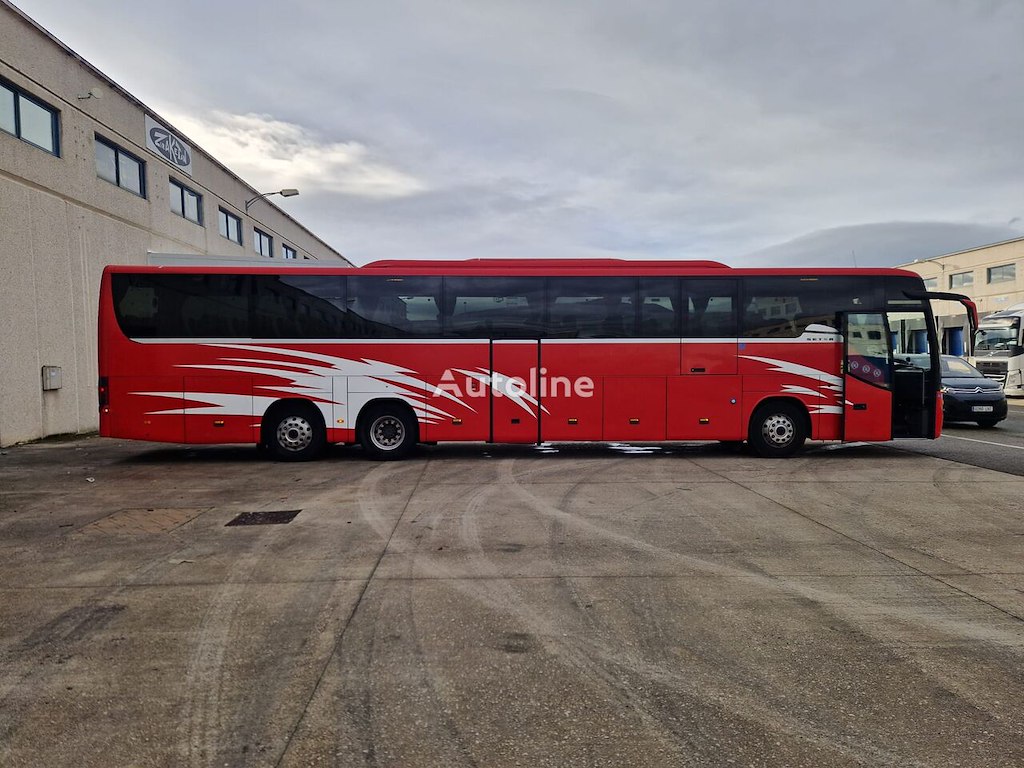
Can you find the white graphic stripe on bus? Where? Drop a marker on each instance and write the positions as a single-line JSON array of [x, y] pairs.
[[298, 366], [782, 366], [507, 386], [795, 389], [830, 385], [214, 403]]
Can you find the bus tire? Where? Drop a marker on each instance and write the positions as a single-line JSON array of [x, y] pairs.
[[294, 431], [778, 429], [388, 432]]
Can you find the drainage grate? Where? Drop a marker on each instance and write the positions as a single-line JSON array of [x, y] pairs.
[[280, 517]]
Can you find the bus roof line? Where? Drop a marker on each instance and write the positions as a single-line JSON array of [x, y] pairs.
[[582, 264]]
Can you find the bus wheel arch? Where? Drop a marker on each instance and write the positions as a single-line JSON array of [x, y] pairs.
[[778, 427], [387, 429], [293, 430]]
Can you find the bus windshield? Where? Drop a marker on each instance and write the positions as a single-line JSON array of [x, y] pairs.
[[998, 338]]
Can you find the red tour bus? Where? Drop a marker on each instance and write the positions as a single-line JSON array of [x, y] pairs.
[[514, 351]]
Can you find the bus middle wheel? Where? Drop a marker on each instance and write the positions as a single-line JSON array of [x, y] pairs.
[[387, 432], [296, 433]]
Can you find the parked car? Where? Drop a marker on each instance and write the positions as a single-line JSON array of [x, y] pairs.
[[966, 394]]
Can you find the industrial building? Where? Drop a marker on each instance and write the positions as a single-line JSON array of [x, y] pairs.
[[90, 176], [991, 275]]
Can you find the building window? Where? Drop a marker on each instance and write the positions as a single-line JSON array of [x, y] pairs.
[[961, 280], [931, 283], [185, 202], [120, 167], [263, 243], [1005, 273], [230, 226], [30, 120], [287, 252]]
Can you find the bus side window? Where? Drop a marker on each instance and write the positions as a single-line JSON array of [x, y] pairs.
[[395, 307], [591, 307], [493, 307], [710, 308], [659, 307], [136, 310]]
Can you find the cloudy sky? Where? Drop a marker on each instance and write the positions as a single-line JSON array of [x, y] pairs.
[[756, 133]]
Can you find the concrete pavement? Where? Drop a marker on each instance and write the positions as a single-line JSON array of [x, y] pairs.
[[500, 606]]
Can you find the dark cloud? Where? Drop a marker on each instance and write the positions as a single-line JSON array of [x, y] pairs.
[[877, 245]]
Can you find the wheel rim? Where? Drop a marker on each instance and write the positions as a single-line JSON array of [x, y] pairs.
[[294, 433], [387, 432], [778, 430]]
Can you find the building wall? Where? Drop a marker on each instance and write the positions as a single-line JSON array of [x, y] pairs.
[[60, 224], [945, 273]]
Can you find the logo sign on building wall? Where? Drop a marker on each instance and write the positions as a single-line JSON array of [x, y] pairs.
[[160, 141]]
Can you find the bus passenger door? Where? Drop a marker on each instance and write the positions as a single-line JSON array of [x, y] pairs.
[[515, 392], [867, 378], [916, 377]]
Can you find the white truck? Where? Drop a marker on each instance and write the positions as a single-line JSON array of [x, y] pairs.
[[999, 348]]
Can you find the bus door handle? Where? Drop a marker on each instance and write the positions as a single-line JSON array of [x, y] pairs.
[[860, 406], [696, 370]]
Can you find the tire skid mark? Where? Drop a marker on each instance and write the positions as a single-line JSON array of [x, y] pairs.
[[339, 650], [502, 596], [743, 706], [1011, 638], [359, 743], [602, 660], [372, 498], [459, 752], [202, 713], [97, 611]]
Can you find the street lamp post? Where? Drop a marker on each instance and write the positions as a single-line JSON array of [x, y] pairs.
[[281, 192]]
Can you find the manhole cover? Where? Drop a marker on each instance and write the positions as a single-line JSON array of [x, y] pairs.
[[280, 517]]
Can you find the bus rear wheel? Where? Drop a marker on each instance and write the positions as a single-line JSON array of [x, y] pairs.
[[777, 430], [387, 432], [295, 432]]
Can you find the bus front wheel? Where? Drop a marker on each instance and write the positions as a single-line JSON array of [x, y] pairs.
[[295, 432], [777, 430], [387, 432]]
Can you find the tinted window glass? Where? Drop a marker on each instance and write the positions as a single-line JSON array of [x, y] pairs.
[[395, 307], [710, 308], [591, 307], [895, 288], [954, 366], [494, 307], [659, 307], [182, 306], [867, 348], [783, 307], [301, 307]]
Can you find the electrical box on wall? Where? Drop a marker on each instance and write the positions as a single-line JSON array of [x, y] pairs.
[[51, 377]]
